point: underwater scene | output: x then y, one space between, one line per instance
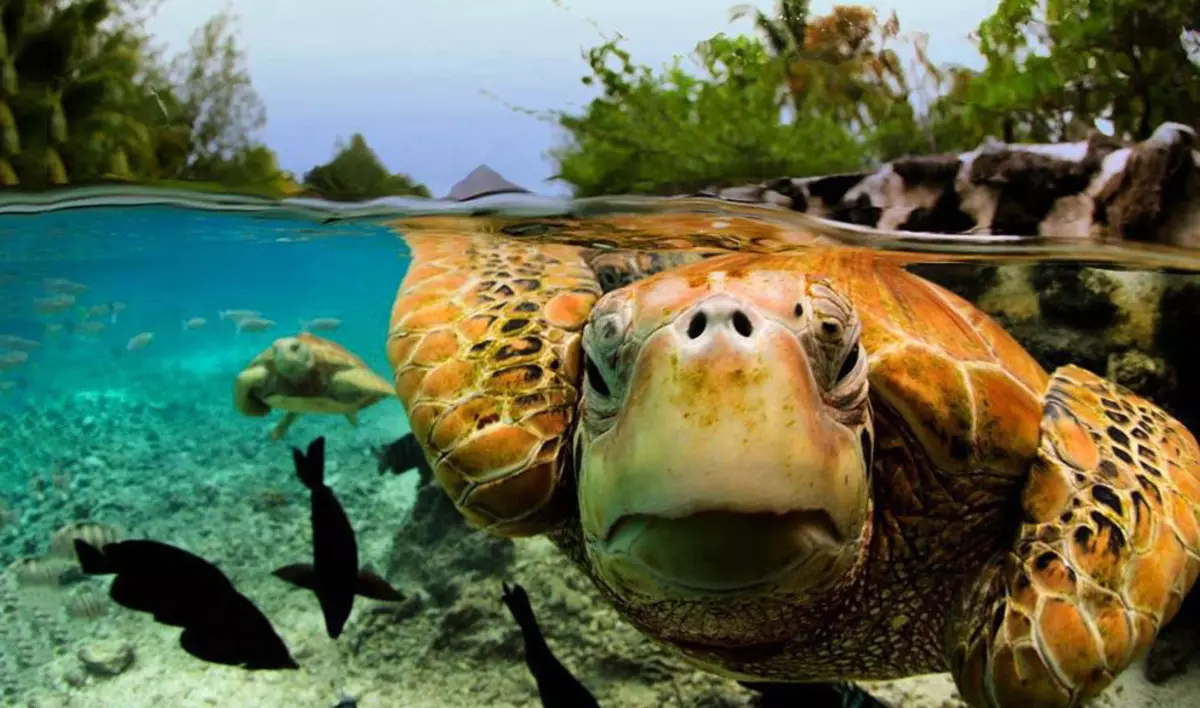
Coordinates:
177 371
599 354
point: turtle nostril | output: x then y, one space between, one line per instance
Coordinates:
697 325
742 325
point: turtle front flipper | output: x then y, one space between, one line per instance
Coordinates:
283 425
244 386
485 346
1108 547
356 381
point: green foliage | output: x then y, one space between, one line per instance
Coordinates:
815 95
209 92
64 73
85 97
356 173
819 94
1060 63
674 131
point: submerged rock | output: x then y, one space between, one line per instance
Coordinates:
1136 328
1098 189
105 659
436 551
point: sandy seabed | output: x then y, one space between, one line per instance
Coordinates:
231 496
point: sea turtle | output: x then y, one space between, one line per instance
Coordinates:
805 466
307 374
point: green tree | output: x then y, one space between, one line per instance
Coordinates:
356 173
1061 63
674 131
67 73
208 92
84 96
845 61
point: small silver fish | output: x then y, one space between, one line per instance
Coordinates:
87 604
117 308
10 360
320 324
33 570
94 533
54 329
90 327
254 324
139 341
64 286
12 341
194 323
238 315
53 305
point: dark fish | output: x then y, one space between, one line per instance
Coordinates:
811 695
220 625
557 687
402 455
334 574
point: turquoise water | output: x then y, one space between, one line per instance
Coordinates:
168 267
147 441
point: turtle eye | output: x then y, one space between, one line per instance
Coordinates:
594 377
848 365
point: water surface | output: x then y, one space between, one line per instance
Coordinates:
147 439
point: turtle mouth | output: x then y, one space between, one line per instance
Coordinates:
722 552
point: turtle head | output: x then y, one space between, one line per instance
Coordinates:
725 438
293 357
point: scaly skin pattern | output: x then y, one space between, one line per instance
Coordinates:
616 269
955 402
754 229
1108 547
484 343
952 573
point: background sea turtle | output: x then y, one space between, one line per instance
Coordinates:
808 466
307 374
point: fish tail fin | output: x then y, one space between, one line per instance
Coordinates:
310 465
92 560
304 325
517 601
400 455
381 463
302 575
183 325
370 584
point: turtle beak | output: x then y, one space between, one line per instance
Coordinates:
725 471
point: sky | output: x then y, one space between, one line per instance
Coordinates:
414 76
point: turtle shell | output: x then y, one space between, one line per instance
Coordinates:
485 342
322 390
